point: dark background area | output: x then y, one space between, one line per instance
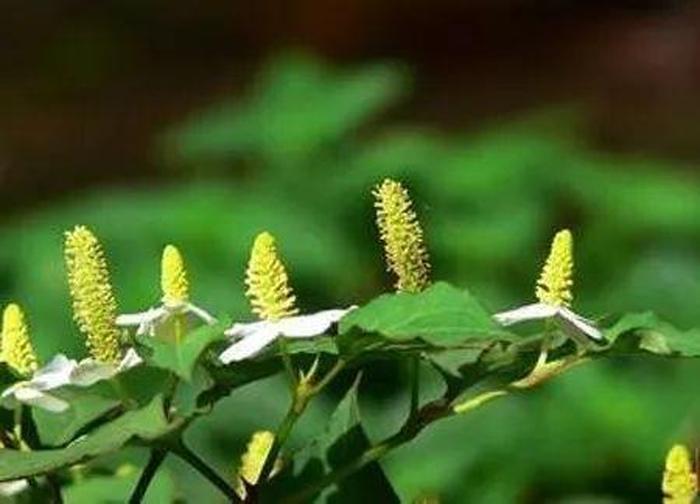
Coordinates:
86 86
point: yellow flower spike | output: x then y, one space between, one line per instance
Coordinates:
399 229
94 306
268 285
555 282
17 348
253 460
680 483
173 277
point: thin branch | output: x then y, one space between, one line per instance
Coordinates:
154 461
205 470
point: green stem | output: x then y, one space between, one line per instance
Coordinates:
288 366
55 488
415 383
210 474
18 413
154 461
302 397
332 373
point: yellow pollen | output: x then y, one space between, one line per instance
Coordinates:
268 285
399 229
680 483
173 277
94 305
17 348
555 282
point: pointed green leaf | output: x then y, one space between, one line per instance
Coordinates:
646 332
442 316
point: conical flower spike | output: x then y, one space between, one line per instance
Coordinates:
17 348
405 252
268 285
680 483
94 306
555 282
173 277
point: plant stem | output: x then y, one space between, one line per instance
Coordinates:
200 466
415 383
288 366
301 398
154 461
54 488
334 371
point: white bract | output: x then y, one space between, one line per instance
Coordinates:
13 487
59 372
571 321
148 321
251 338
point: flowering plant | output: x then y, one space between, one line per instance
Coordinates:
150 375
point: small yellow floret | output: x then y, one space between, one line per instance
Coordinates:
680 483
268 285
406 255
555 282
173 277
17 348
94 305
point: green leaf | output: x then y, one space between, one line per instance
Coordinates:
453 360
646 332
147 423
86 406
442 316
181 358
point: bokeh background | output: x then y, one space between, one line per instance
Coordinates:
204 122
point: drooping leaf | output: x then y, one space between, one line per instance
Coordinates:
147 423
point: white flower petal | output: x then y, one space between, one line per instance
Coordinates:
131 359
89 371
250 345
13 487
243 330
582 324
201 313
55 374
137 319
27 394
305 326
524 313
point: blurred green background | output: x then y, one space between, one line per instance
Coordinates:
203 123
